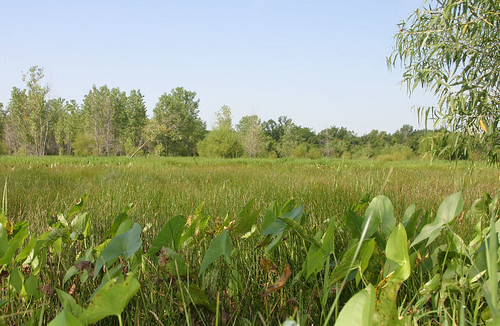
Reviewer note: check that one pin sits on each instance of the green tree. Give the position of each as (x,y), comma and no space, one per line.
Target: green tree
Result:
(29,116)
(68,125)
(176,123)
(274,132)
(336,141)
(106,118)
(222,141)
(136,119)
(3,119)
(251,135)
(223,118)
(293,137)
(452,48)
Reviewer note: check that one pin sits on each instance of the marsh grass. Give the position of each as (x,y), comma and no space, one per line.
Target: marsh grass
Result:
(161,188)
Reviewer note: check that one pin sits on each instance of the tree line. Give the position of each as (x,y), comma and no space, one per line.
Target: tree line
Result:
(112,122)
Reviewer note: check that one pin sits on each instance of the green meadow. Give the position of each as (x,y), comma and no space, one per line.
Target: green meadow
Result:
(242,253)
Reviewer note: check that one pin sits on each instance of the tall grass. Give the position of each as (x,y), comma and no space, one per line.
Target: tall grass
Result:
(160,189)
(164,187)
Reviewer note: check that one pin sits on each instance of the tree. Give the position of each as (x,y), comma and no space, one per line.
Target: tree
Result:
(136,119)
(336,141)
(274,131)
(251,135)
(223,118)
(29,116)
(177,122)
(3,118)
(293,137)
(452,48)
(222,141)
(68,125)
(106,118)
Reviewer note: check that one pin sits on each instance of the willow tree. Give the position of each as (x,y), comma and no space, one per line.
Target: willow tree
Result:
(451,48)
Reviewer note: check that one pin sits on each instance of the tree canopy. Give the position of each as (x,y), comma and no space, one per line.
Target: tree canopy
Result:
(451,47)
(110,122)
(176,115)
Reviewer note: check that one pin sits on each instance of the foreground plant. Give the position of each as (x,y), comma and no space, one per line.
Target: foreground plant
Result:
(254,269)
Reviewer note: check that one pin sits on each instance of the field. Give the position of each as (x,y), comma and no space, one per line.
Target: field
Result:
(195,278)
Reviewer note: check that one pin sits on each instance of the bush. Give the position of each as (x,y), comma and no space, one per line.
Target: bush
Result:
(396,153)
(84,145)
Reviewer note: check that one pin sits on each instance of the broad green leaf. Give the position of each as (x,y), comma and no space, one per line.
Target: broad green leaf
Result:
(72,271)
(125,226)
(386,309)
(316,257)
(276,241)
(288,206)
(69,303)
(169,235)
(300,231)
(4,240)
(111,274)
(46,239)
(16,279)
(279,224)
(397,253)
(432,285)
(448,210)
(78,206)
(382,213)
(26,250)
(328,244)
(220,246)
(359,309)
(65,318)
(81,224)
(354,222)
(31,286)
(272,212)
(408,213)
(411,223)
(111,299)
(15,244)
(315,261)
(100,247)
(347,264)
(294,214)
(118,220)
(57,245)
(125,244)
(245,219)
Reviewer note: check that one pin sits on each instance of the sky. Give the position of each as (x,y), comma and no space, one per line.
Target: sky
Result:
(320,63)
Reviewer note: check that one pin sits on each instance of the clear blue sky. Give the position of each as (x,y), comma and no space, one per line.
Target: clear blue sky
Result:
(321,63)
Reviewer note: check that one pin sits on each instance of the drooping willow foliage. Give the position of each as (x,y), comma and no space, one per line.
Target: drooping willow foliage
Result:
(451,48)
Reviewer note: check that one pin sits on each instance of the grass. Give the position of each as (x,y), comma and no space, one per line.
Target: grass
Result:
(161,188)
